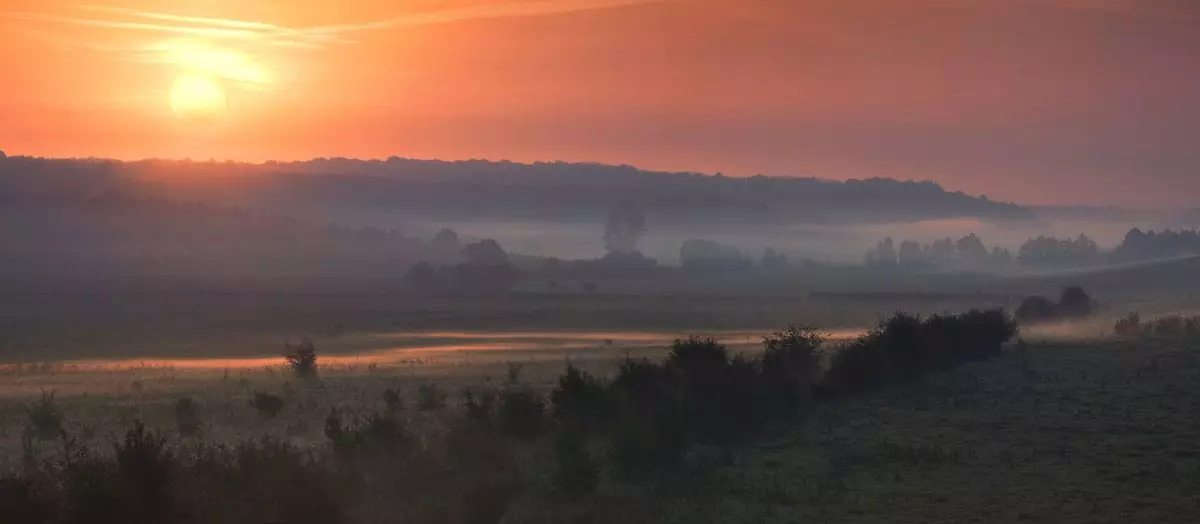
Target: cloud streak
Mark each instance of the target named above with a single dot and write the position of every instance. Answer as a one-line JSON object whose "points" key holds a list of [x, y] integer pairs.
{"points": [[316, 37]]}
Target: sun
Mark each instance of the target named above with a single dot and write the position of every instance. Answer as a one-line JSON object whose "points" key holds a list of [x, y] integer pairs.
{"points": [[198, 98]]}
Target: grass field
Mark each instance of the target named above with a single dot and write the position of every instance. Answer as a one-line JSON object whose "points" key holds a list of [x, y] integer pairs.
{"points": [[1051, 432]]}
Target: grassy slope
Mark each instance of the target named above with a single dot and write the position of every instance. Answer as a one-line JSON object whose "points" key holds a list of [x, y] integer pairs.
{"points": [[1061, 433]]}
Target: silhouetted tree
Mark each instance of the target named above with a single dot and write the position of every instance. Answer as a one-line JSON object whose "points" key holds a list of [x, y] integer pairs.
{"points": [[772, 260], [1074, 303], [625, 227], [486, 252], [704, 254], [420, 275], [910, 254]]}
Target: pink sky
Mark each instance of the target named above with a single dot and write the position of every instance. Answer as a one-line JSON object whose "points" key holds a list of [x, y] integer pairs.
{"points": [[1038, 101]]}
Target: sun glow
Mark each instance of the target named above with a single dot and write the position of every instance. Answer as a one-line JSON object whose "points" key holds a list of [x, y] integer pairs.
{"points": [[198, 98]]}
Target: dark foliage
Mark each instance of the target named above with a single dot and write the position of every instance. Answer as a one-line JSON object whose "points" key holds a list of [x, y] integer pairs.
{"points": [[521, 412], [1037, 309], [904, 348], [479, 404], [1074, 303], [576, 472], [1129, 326], [429, 398], [580, 398], [187, 417], [302, 359], [392, 399], [267, 405], [45, 417]]}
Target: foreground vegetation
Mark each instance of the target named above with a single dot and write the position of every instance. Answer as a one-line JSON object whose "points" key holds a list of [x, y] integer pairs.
{"points": [[701, 435]]}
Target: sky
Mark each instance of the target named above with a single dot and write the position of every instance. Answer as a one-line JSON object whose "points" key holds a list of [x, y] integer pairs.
{"points": [[1035, 101]]}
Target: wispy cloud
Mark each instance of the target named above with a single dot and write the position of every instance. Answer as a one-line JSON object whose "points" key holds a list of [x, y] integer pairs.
{"points": [[126, 19], [482, 11]]}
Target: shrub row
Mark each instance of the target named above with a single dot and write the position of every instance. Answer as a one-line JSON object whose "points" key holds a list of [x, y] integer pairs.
{"points": [[646, 419]]}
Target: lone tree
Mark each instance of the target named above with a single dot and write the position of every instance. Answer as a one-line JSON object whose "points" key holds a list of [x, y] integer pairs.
{"points": [[302, 358], [625, 228]]}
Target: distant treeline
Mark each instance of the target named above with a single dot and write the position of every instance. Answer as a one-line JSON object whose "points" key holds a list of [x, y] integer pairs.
{"points": [[484, 190], [969, 251]]}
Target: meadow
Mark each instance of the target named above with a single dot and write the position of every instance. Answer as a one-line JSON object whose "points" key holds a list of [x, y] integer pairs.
{"points": [[1068, 423]]}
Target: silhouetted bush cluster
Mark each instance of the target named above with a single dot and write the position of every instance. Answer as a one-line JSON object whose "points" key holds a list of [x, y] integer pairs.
{"points": [[1174, 326], [302, 359], [904, 348], [648, 419], [1073, 304]]}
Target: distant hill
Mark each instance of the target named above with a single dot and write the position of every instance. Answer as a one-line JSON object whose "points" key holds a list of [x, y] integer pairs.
{"points": [[486, 190]]}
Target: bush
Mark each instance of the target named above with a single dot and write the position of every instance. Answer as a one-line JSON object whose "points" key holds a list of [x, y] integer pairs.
{"points": [[580, 398], [187, 417], [642, 444], [479, 405], [45, 417], [514, 373], [791, 364], [147, 469], [904, 348], [393, 400], [429, 398], [377, 434], [576, 473], [521, 412], [1074, 303], [1037, 309], [302, 359], [1172, 326], [1129, 326], [267, 405]]}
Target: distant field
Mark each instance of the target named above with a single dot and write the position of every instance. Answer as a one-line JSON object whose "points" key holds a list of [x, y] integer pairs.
{"points": [[174, 319]]}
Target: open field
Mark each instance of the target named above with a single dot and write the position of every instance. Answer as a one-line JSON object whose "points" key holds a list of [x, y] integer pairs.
{"points": [[1080, 431]]}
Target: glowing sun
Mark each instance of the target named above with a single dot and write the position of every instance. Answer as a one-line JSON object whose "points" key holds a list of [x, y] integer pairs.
{"points": [[197, 97]]}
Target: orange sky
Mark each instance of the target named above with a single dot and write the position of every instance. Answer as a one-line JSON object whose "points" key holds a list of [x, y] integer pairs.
{"points": [[1065, 101]]}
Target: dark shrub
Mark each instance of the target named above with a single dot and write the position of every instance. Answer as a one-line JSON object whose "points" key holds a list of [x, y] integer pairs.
{"points": [[147, 469], [479, 404], [23, 500], [791, 364], [378, 434], [579, 398], [1037, 309], [513, 373], [642, 444], [1074, 303], [187, 417], [859, 365], [575, 473], [45, 417], [267, 405], [429, 398], [904, 348], [698, 356], [1172, 326], [521, 411], [901, 338], [722, 399], [644, 386], [302, 358], [393, 400], [1129, 326]]}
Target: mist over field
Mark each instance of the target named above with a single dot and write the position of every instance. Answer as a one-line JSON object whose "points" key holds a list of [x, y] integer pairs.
{"points": [[599, 262]]}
